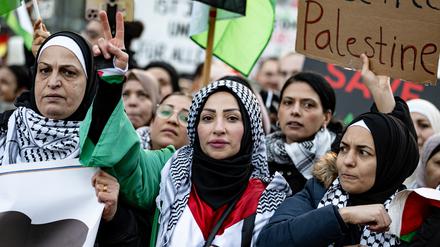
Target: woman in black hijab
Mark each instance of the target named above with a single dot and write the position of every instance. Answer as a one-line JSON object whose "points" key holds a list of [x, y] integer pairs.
{"points": [[45, 126], [217, 189], [377, 152], [62, 92]]}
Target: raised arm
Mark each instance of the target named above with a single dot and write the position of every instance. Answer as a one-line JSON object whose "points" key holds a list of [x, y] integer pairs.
{"points": [[379, 87], [107, 136], [40, 35], [384, 101]]}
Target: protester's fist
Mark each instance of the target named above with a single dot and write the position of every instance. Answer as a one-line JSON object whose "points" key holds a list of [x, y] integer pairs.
{"points": [[107, 191], [374, 215], [112, 46], [40, 35]]}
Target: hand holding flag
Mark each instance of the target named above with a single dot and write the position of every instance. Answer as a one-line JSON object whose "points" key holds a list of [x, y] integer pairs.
{"points": [[40, 35]]}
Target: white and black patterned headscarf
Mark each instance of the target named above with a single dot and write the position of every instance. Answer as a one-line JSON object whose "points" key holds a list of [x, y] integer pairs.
{"points": [[176, 176], [27, 136]]}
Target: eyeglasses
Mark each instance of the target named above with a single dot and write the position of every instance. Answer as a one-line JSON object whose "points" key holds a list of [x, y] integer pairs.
{"points": [[166, 111]]}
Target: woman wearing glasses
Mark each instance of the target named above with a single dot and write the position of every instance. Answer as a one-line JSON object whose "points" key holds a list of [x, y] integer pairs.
{"points": [[168, 125]]}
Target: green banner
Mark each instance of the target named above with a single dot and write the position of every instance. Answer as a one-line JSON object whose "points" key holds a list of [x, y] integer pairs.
{"points": [[7, 6]]}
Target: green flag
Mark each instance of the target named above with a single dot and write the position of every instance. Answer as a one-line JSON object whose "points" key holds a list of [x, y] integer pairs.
{"points": [[236, 6], [8, 5], [239, 41]]}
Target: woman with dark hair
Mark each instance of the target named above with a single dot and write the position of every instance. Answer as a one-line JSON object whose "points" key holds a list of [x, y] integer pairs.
{"points": [[168, 124], [167, 76], [14, 80], [377, 152], [304, 115]]}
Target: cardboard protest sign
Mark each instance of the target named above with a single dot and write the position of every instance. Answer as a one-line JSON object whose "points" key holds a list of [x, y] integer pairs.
{"points": [[48, 204], [401, 38]]}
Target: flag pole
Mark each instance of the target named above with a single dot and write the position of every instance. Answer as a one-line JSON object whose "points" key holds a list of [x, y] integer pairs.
{"points": [[36, 9], [209, 47]]}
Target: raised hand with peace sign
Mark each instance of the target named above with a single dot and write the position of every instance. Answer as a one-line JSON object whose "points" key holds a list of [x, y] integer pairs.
{"points": [[112, 46]]}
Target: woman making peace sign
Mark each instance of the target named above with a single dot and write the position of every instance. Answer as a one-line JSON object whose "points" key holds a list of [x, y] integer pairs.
{"points": [[107, 136]]}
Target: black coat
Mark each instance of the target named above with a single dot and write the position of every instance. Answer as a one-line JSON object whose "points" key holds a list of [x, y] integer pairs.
{"points": [[298, 222]]}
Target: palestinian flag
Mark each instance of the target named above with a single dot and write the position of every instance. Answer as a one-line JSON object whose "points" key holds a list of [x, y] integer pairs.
{"points": [[409, 209], [21, 24], [238, 40], [236, 6], [7, 6]]}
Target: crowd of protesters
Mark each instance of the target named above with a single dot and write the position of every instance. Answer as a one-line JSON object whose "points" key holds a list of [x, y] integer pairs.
{"points": [[257, 161]]}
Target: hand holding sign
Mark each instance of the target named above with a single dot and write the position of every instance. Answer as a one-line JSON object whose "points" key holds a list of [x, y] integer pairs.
{"points": [[112, 46], [379, 86], [107, 191]]}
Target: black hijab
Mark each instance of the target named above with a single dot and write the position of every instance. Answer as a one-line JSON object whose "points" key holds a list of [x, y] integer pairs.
{"points": [[396, 155], [91, 86], [219, 182]]}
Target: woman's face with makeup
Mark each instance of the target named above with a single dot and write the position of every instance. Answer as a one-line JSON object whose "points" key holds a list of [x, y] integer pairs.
{"points": [[220, 128]]}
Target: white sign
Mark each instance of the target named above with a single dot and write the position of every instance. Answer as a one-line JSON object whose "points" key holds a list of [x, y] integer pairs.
{"points": [[48, 204], [166, 34], [284, 33]]}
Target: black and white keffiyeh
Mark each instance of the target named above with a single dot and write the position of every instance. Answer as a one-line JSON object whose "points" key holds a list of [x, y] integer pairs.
{"points": [[336, 196], [31, 137], [144, 135], [176, 182], [26, 135], [301, 154]]}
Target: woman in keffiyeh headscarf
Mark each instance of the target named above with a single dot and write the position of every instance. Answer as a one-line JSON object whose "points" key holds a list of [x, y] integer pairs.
{"points": [[217, 190], [45, 126], [377, 152]]}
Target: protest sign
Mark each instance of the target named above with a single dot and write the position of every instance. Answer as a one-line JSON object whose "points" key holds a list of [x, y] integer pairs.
{"points": [[401, 38], [167, 30], [166, 34], [48, 204]]}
